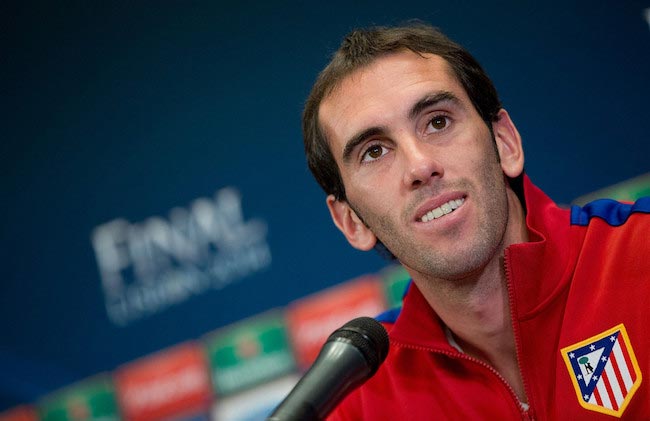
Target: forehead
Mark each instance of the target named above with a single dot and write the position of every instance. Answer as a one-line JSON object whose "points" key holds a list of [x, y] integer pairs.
{"points": [[376, 94]]}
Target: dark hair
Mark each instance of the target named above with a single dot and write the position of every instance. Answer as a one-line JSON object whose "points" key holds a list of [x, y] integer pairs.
{"points": [[359, 49]]}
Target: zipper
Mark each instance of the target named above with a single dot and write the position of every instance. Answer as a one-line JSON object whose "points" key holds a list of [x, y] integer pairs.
{"points": [[526, 414], [515, 329]]}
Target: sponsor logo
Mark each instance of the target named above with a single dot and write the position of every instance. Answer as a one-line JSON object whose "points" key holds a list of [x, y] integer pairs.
{"points": [[170, 383], [252, 352], [312, 319], [148, 266], [396, 279], [91, 399], [254, 404], [20, 413], [604, 371]]}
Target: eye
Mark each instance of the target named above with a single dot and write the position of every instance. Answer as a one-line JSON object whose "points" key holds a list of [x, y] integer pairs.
{"points": [[437, 123], [373, 153]]}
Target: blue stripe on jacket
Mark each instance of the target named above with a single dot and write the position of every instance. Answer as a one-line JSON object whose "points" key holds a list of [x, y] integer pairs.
{"points": [[613, 212]]}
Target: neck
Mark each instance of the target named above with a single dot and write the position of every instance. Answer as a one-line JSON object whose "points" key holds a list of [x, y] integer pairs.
{"points": [[476, 309], [477, 312]]}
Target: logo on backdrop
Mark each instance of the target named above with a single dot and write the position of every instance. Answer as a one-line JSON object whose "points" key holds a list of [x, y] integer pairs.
{"points": [[148, 266]]}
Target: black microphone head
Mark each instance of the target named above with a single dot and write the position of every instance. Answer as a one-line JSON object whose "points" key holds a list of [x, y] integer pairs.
{"points": [[368, 336], [349, 357]]}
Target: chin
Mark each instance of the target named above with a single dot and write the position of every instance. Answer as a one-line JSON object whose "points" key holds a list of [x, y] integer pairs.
{"points": [[457, 265]]}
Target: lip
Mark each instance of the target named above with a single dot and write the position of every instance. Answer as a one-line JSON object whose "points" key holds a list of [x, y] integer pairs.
{"points": [[436, 202]]}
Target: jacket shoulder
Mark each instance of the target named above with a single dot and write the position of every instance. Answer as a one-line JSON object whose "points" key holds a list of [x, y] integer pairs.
{"points": [[610, 211]]}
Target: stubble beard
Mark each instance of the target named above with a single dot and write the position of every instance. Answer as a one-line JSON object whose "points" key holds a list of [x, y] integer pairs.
{"points": [[438, 263]]}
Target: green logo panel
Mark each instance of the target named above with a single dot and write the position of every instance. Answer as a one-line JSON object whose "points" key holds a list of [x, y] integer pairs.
{"points": [[92, 399], [395, 279], [251, 352]]}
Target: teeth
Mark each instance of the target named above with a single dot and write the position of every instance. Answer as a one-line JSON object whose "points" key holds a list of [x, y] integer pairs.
{"points": [[444, 209]]}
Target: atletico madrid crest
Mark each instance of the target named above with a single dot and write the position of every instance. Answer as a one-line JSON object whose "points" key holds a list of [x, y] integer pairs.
{"points": [[604, 371]]}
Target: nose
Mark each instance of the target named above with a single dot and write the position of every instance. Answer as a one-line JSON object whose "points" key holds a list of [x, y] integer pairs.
{"points": [[420, 164]]}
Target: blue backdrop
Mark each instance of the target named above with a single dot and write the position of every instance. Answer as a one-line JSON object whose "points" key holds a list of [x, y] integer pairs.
{"points": [[131, 112]]}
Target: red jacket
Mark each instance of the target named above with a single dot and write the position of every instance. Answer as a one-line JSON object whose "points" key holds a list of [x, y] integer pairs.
{"points": [[579, 296]]}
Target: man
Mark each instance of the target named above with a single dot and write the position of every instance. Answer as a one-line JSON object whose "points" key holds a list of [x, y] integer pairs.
{"points": [[512, 299]]}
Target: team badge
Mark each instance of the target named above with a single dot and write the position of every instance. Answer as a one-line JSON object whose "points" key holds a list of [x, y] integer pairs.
{"points": [[604, 371]]}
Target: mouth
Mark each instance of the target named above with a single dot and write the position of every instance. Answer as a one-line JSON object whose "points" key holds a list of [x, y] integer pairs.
{"points": [[442, 210]]}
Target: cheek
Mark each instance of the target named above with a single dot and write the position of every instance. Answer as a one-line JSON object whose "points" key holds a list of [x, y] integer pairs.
{"points": [[372, 206], [485, 159], [371, 186], [375, 206]]}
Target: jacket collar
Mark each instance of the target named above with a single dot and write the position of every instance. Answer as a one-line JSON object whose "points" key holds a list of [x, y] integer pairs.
{"points": [[536, 272], [539, 269]]}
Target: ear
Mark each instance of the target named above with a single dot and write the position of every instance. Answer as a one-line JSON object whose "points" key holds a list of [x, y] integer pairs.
{"points": [[346, 219], [509, 145]]}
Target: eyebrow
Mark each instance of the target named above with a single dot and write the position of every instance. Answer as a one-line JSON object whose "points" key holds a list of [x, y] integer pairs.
{"points": [[359, 138], [432, 99], [424, 103]]}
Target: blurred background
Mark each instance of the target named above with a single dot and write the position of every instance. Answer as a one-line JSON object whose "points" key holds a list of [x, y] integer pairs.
{"points": [[166, 253]]}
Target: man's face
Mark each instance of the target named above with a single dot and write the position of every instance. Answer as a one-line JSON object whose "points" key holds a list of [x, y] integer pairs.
{"points": [[418, 164]]}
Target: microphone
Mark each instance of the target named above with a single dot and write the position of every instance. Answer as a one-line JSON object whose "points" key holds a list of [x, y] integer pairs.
{"points": [[350, 356]]}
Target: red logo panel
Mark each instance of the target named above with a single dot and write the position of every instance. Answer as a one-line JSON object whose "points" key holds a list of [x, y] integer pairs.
{"points": [[173, 382]]}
